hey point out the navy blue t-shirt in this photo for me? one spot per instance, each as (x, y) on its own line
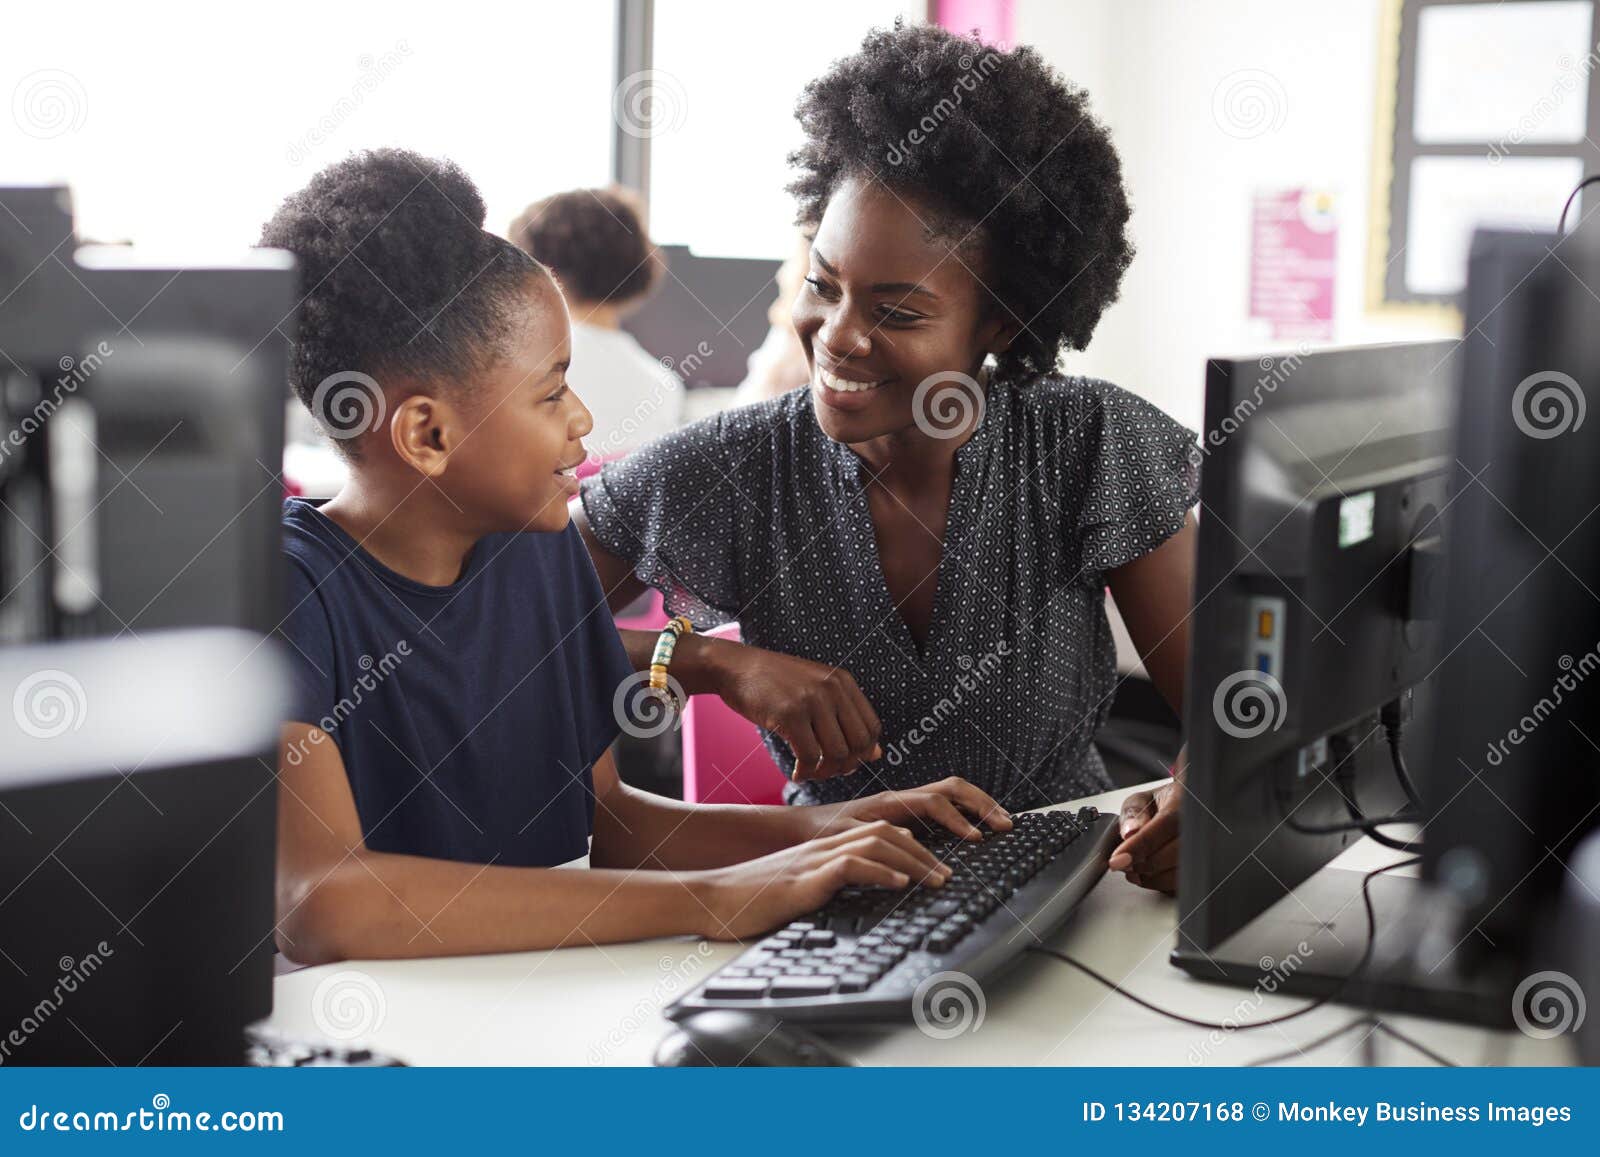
(469, 716)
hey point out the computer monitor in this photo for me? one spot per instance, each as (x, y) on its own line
(137, 825)
(708, 315)
(1314, 632)
(1514, 778)
(143, 409)
(1480, 602)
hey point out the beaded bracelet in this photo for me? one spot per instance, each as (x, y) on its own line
(666, 643)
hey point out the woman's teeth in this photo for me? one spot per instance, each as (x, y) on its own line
(840, 385)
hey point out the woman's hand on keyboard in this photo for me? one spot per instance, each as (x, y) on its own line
(949, 803)
(757, 895)
(1148, 852)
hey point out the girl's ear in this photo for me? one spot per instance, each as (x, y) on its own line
(422, 431)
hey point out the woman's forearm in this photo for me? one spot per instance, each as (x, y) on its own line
(699, 664)
(378, 905)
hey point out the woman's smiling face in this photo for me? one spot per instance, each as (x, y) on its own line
(886, 304)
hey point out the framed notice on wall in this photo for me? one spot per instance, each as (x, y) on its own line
(1486, 115)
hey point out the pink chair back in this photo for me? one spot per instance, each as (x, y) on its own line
(724, 760)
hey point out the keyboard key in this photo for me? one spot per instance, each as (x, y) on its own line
(819, 939)
(790, 986)
(854, 982)
(735, 988)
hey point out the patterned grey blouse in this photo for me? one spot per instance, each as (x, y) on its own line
(755, 515)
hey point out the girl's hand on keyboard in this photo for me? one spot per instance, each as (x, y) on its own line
(757, 895)
(948, 803)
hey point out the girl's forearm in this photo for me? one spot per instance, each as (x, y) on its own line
(378, 905)
(641, 830)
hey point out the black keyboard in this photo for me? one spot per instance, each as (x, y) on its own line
(863, 955)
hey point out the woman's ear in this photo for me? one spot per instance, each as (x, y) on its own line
(422, 431)
(998, 333)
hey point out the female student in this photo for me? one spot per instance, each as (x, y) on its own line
(917, 544)
(455, 664)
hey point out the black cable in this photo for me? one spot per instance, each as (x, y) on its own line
(1344, 782)
(1366, 958)
(1418, 1045)
(1353, 826)
(1310, 1046)
(1392, 726)
(1561, 226)
(1378, 1026)
(1373, 834)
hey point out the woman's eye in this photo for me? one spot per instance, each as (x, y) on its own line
(900, 317)
(560, 392)
(817, 287)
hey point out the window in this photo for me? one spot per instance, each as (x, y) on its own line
(180, 132)
(726, 85)
(1484, 120)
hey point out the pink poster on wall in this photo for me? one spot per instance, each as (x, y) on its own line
(1293, 236)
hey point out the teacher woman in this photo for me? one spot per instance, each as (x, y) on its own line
(917, 543)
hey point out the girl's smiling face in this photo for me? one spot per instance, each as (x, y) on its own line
(887, 303)
(524, 429)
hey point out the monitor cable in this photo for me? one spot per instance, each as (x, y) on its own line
(1343, 751)
(1372, 1024)
(1561, 226)
(1332, 994)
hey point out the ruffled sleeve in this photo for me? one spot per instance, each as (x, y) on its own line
(1138, 477)
(670, 510)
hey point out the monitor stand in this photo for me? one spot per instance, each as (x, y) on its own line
(1313, 938)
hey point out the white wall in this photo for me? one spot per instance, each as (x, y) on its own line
(1153, 68)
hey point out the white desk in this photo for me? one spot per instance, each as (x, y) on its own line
(588, 1006)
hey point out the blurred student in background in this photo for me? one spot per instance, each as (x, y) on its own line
(596, 244)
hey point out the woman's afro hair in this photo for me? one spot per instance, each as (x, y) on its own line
(594, 241)
(398, 275)
(998, 145)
